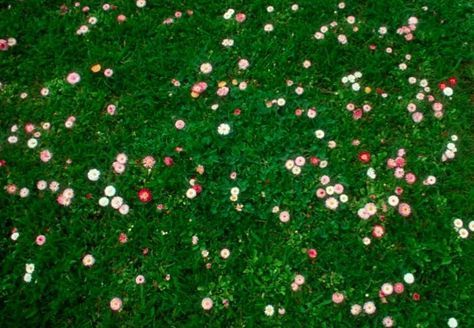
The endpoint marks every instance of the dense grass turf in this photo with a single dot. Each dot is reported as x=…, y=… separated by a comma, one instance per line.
x=88, y=258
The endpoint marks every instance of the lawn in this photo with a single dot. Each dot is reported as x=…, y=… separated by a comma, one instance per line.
x=236, y=163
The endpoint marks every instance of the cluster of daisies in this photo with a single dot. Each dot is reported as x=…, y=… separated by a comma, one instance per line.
x=461, y=230
x=331, y=194
x=451, y=150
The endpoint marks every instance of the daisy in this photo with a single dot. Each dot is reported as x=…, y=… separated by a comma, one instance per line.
x=116, y=202
x=88, y=260
x=284, y=216
x=332, y=203
x=110, y=191
x=206, y=68
x=269, y=310
x=191, y=193
x=369, y=307
x=93, y=175
x=356, y=309
x=225, y=253
x=207, y=303
x=299, y=280
x=223, y=129
x=124, y=209
x=268, y=28
x=116, y=304
x=409, y=278
x=140, y=279
x=73, y=78
x=104, y=201
x=29, y=267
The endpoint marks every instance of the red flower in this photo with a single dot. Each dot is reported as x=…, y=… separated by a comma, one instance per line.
x=416, y=296
x=168, y=161
x=312, y=253
x=364, y=157
x=3, y=45
x=357, y=114
x=197, y=188
x=452, y=81
x=3, y=162
x=314, y=160
x=373, y=47
x=237, y=111
x=145, y=251
x=378, y=231
x=144, y=195
x=123, y=238
x=89, y=196
x=442, y=85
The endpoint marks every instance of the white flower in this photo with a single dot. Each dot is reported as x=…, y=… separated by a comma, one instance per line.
x=270, y=9
x=227, y=15
x=319, y=134
x=451, y=146
x=32, y=143
x=471, y=225
x=369, y=307
x=356, y=309
x=12, y=139
x=458, y=223
x=110, y=191
x=269, y=310
x=332, y=203
x=141, y=3
x=24, y=192
x=452, y=322
x=93, y=175
x=448, y=91
x=294, y=7
x=463, y=233
x=323, y=164
x=124, y=209
x=289, y=164
x=281, y=102
x=116, y=202
x=371, y=173
x=223, y=129
x=27, y=277
x=191, y=193
x=268, y=28
x=454, y=137
x=225, y=253
x=329, y=190
x=104, y=201
x=356, y=86
x=296, y=170
x=387, y=289
x=235, y=191
x=358, y=75
x=366, y=241
x=275, y=209
x=206, y=68
x=409, y=278
x=393, y=200
x=343, y=198
x=15, y=236
x=227, y=42
x=344, y=80
x=29, y=267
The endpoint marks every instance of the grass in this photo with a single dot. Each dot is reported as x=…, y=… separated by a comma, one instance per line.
x=265, y=254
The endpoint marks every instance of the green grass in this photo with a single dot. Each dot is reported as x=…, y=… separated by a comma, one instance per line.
x=266, y=254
